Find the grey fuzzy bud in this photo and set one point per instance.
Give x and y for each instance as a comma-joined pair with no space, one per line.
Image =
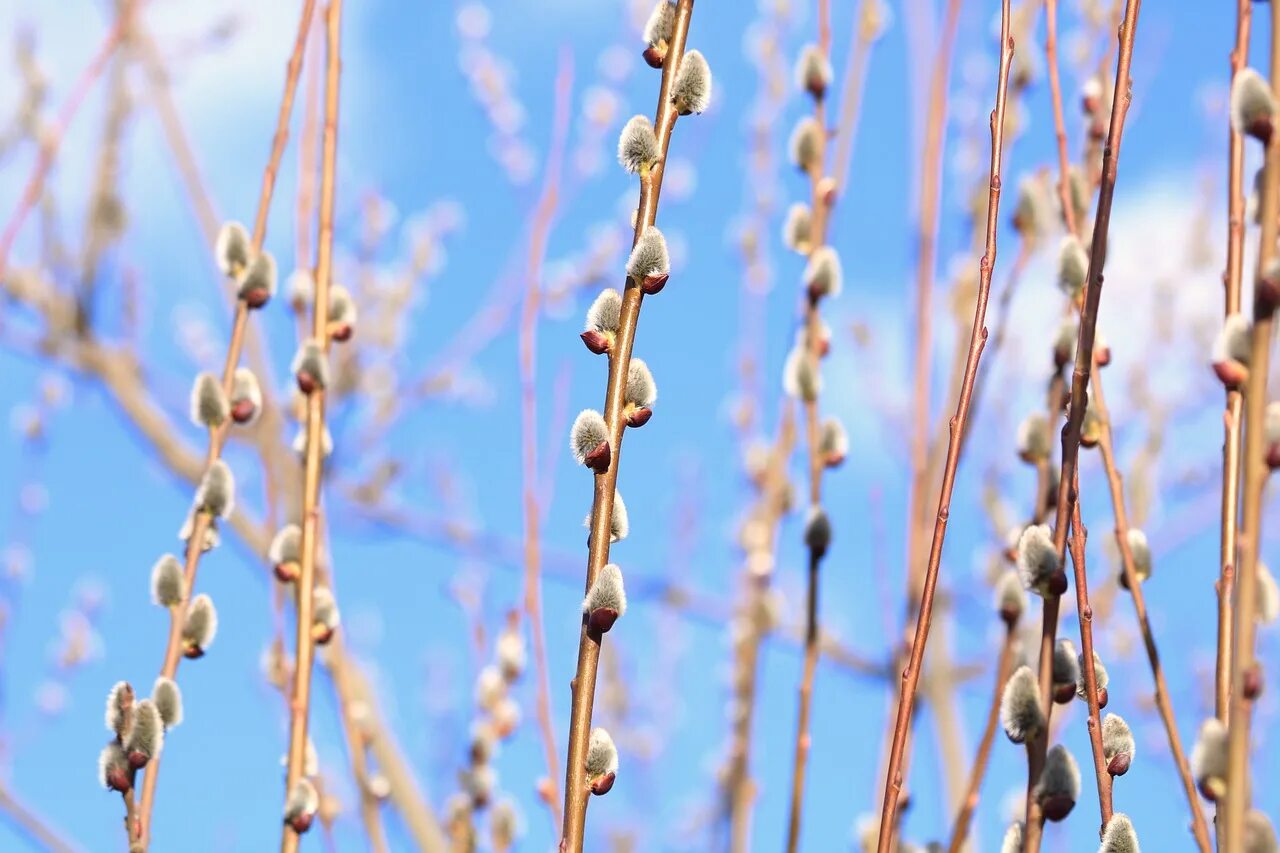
1268,595
1119,836
301,288
246,396
168,582
342,306
691,91
619,525
310,366
606,600
479,782
1064,342
1117,743
119,707
1066,665
301,806
167,698
1011,597
1020,713
638,150
325,616
1012,842
146,736
209,406
797,228
217,492
602,755
1252,106
1259,834
817,531
1035,441
299,443
605,312
113,768
649,258
800,376
1080,193
589,440
1233,341
1033,209
1140,550
504,821
657,30
813,71
231,249
201,625
641,390
806,144
1073,265
286,545
509,652
823,275
259,282
1099,674
1059,784
1209,759
211,537
1038,560
833,441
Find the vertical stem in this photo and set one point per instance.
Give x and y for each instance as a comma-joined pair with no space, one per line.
584,683
1255,480
977,339
803,739
301,701
1079,398
1059,123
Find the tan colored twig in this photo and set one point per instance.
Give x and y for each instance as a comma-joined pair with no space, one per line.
1038,746
315,426
543,217
33,825
1004,666
584,683
1164,702
218,436
911,676
1059,123
1244,665
1233,420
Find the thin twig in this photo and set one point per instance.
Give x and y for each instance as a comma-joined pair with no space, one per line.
1244,665
977,340
1164,702
32,824
1038,746
544,215
584,683
1059,123
301,702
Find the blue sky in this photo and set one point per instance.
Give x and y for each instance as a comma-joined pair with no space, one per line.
412,132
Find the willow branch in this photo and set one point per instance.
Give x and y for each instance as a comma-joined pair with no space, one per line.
315,426
584,684
1164,702
1244,665
977,339
1038,746
544,215
1059,123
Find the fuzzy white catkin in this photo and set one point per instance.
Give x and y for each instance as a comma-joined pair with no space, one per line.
1012,842
620,524
209,406
259,276
509,652
641,390
1209,755
299,443
1011,598
168,583
490,687
649,256
146,735
800,376
797,227
303,801
1061,775
1116,737
589,429
202,622
1066,667
823,275
231,249
607,592
119,701
660,24
1119,836
638,145
342,306
1251,100
1034,439
245,388
1037,558
301,288
832,439
1073,265
1020,713
1233,340
168,701
605,312
1268,595
1140,550
691,90
1259,834
312,360
602,755
806,144
325,608
217,491
111,761
1099,674
286,546
813,69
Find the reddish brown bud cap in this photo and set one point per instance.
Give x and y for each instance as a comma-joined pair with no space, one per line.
601,785
287,572
1058,582
655,55
1102,355
1057,807
597,342
192,652
306,382
1232,373
639,417
1210,789
1273,455
321,634
1064,692
341,332
1119,764
1103,697
654,283
1253,681
118,779
833,460
1260,129
598,459
301,823
257,297
138,760
601,619
243,411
